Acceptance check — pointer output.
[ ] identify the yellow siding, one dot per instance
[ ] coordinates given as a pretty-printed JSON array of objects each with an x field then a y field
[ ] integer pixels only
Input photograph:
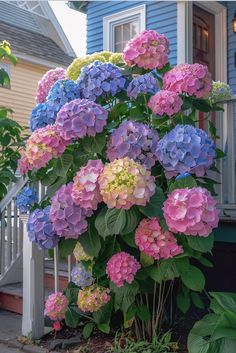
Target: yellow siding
[{"x": 21, "y": 96}]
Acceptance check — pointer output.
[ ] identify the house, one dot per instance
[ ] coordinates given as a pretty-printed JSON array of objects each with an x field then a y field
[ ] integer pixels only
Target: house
[
  {"x": 39, "y": 43},
  {"x": 199, "y": 31}
]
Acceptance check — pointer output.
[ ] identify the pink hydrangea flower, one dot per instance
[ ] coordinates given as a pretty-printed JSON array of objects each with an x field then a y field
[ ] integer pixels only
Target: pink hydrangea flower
[
  {"x": 47, "y": 81},
  {"x": 80, "y": 118},
  {"x": 68, "y": 220},
  {"x": 153, "y": 241},
  {"x": 23, "y": 164},
  {"x": 56, "y": 306},
  {"x": 191, "y": 211},
  {"x": 43, "y": 145},
  {"x": 192, "y": 79},
  {"x": 93, "y": 298},
  {"x": 165, "y": 102},
  {"x": 148, "y": 50},
  {"x": 124, "y": 183},
  {"x": 85, "y": 191},
  {"x": 122, "y": 268}
]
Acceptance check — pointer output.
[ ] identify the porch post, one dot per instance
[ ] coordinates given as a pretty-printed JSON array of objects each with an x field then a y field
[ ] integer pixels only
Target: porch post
[
  {"x": 33, "y": 287},
  {"x": 184, "y": 32}
]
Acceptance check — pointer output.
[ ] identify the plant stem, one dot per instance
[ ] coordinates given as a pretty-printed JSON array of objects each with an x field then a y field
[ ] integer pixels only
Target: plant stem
[{"x": 153, "y": 308}]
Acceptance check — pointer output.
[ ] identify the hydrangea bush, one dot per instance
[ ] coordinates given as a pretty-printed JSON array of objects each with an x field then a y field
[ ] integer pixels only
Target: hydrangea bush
[{"x": 125, "y": 169}]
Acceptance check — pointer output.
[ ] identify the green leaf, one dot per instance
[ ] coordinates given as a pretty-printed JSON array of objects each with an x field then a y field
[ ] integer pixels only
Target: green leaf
[
  {"x": 125, "y": 295},
  {"x": 87, "y": 330},
  {"x": 186, "y": 182},
  {"x": 54, "y": 187},
  {"x": 183, "y": 302},
  {"x": 201, "y": 104},
  {"x": 129, "y": 239},
  {"x": 223, "y": 302},
  {"x": 132, "y": 220},
  {"x": 203, "y": 244},
  {"x": 94, "y": 144},
  {"x": 104, "y": 327},
  {"x": 193, "y": 278},
  {"x": 72, "y": 318},
  {"x": 146, "y": 260},
  {"x": 219, "y": 154},
  {"x": 103, "y": 316},
  {"x": 206, "y": 262},
  {"x": 143, "y": 313},
  {"x": 72, "y": 293},
  {"x": 115, "y": 220},
  {"x": 197, "y": 300},
  {"x": 90, "y": 241},
  {"x": 164, "y": 271},
  {"x": 154, "y": 206},
  {"x": 100, "y": 223},
  {"x": 66, "y": 247},
  {"x": 63, "y": 164}
]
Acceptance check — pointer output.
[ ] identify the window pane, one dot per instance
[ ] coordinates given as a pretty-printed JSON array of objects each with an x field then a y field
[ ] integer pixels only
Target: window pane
[
  {"x": 118, "y": 33},
  {"x": 123, "y": 33},
  {"x": 118, "y": 47},
  {"x": 134, "y": 28},
  {"x": 126, "y": 32}
]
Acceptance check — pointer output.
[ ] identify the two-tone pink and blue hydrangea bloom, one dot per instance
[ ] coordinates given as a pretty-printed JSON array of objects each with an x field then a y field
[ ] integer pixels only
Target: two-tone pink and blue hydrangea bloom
[{"x": 69, "y": 111}]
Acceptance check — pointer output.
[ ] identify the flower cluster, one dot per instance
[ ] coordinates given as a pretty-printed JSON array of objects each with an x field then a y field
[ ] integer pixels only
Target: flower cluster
[
  {"x": 124, "y": 183},
  {"x": 220, "y": 91},
  {"x": 42, "y": 115},
  {"x": 165, "y": 102},
  {"x": 56, "y": 306},
  {"x": 47, "y": 81},
  {"x": 25, "y": 199},
  {"x": 40, "y": 229},
  {"x": 62, "y": 92},
  {"x": 122, "y": 268},
  {"x": 81, "y": 276},
  {"x": 93, "y": 298},
  {"x": 68, "y": 219},
  {"x": 148, "y": 50},
  {"x": 80, "y": 118},
  {"x": 191, "y": 211},
  {"x": 116, "y": 58},
  {"x": 76, "y": 66},
  {"x": 192, "y": 79},
  {"x": 80, "y": 254},
  {"x": 23, "y": 164},
  {"x": 43, "y": 145},
  {"x": 186, "y": 149},
  {"x": 85, "y": 190},
  {"x": 142, "y": 84},
  {"x": 100, "y": 80},
  {"x": 153, "y": 241},
  {"x": 134, "y": 140}
]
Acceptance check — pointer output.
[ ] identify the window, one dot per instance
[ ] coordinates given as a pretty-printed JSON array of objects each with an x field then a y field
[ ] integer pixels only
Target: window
[
  {"x": 120, "y": 27},
  {"x": 5, "y": 67}
]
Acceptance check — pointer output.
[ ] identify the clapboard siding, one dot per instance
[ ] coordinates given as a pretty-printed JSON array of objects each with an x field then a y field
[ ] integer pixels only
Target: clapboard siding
[
  {"x": 231, "y": 46},
  {"x": 160, "y": 16},
  {"x": 20, "y": 97}
]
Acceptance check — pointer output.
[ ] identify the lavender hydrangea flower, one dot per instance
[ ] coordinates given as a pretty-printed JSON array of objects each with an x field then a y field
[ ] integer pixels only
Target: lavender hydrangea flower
[
  {"x": 62, "y": 92},
  {"x": 100, "y": 80},
  {"x": 142, "y": 84},
  {"x": 134, "y": 140},
  {"x": 81, "y": 276},
  {"x": 25, "y": 199},
  {"x": 186, "y": 149},
  {"x": 40, "y": 229},
  {"x": 80, "y": 118},
  {"x": 68, "y": 219}
]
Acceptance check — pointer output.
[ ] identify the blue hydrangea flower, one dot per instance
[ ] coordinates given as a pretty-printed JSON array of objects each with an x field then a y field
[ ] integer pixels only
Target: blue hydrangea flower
[
  {"x": 40, "y": 229},
  {"x": 62, "y": 92},
  {"x": 25, "y": 199},
  {"x": 134, "y": 140},
  {"x": 186, "y": 149},
  {"x": 81, "y": 276},
  {"x": 182, "y": 176},
  {"x": 220, "y": 91},
  {"x": 100, "y": 80},
  {"x": 142, "y": 84}
]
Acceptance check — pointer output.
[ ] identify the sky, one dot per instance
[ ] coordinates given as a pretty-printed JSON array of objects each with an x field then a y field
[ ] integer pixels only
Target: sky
[{"x": 73, "y": 24}]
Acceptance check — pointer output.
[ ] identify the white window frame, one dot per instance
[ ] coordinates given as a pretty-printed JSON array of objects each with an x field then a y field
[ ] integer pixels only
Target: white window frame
[{"x": 119, "y": 18}]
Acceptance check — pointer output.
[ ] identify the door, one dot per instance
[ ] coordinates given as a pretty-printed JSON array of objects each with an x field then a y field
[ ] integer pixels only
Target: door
[{"x": 204, "y": 38}]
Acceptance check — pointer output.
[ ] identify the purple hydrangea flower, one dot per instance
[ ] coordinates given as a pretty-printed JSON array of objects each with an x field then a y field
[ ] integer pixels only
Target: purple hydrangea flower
[
  {"x": 81, "y": 276},
  {"x": 100, "y": 80},
  {"x": 40, "y": 229},
  {"x": 80, "y": 118},
  {"x": 25, "y": 199},
  {"x": 134, "y": 140},
  {"x": 68, "y": 220},
  {"x": 186, "y": 149},
  {"x": 142, "y": 84}
]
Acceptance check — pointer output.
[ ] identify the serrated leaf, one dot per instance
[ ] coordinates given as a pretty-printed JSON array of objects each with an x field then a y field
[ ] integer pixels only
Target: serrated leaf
[
  {"x": 203, "y": 244},
  {"x": 63, "y": 164},
  {"x": 154, "y": 206},
  {"x": 87, "y": 330},
  {"x": 90, "y": 241},
  {"x": 185, "y": 182},
  {"x": 94, "y": 144},
  {"x": 72, "y": 318},
  {"x": 66, "y": 247}
]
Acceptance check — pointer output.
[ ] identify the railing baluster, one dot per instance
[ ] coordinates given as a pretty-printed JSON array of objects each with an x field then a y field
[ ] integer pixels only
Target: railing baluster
[
  {"x": 56, "y": 270},
  {"x": 8, "y": 234},
  {"x": 3, "y": 231},
  {"x": 15, "y": 232}
]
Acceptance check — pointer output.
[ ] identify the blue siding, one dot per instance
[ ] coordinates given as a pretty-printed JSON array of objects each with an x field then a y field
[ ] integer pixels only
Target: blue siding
[
  {"x": 231, "y": 6},
  {"x": 160, "y": 16}
]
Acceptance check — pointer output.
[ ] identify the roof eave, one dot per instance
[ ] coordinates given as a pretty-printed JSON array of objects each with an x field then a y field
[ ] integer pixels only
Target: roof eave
[{"x": 80, "y": 6}]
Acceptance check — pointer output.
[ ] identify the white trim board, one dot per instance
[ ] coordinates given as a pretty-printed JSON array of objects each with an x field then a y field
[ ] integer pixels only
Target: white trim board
[
  {"x": 184, "y": 34},
  {"x": 121, "y": 15}
]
